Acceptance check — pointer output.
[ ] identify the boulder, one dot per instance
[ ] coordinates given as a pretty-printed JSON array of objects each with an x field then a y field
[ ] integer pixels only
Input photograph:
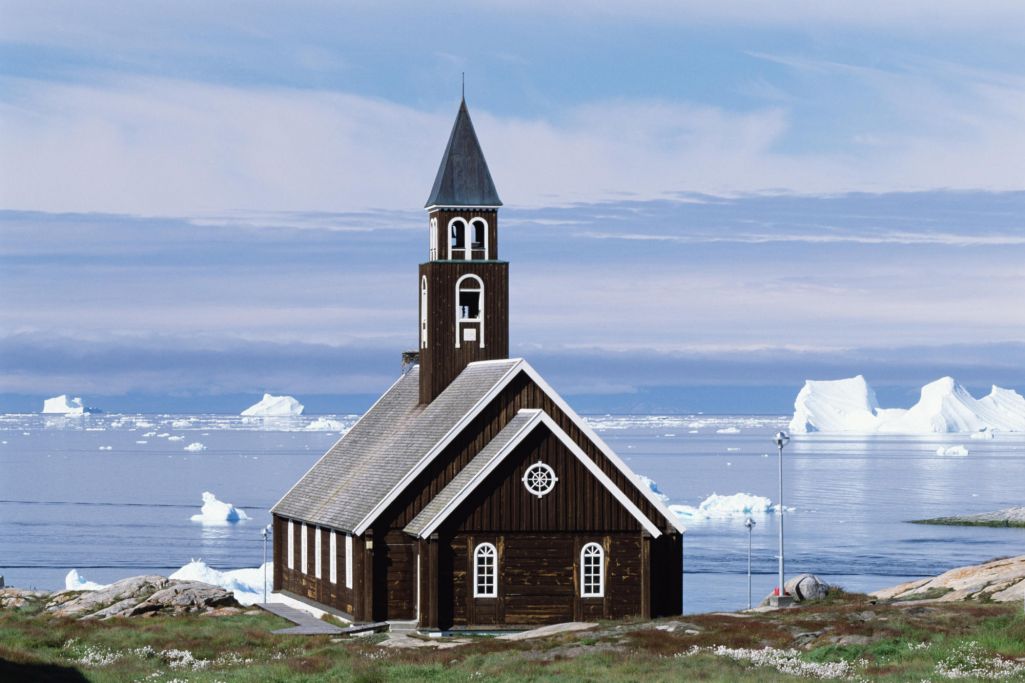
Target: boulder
[
  {"x": 141, "y": 596},
  {"x": 87, "y": 602},
  {"x": 1000, "y": 580},
  {"x": 17, "y": 597},
  {"x": 185, "y": 596},
  {"x": 805, "y": 587}
]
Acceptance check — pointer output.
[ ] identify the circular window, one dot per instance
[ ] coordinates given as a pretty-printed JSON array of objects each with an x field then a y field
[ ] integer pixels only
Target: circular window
[{"x": 539, "y": 479}]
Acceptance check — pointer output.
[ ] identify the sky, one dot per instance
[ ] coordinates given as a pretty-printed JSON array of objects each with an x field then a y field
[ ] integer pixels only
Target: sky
[{"x": 706, "y": 203}]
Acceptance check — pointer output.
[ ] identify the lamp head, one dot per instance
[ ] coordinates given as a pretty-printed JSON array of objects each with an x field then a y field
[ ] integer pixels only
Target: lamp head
[
  {"x": 749, "y": 523},
  {"x": 781, "y": 439}
]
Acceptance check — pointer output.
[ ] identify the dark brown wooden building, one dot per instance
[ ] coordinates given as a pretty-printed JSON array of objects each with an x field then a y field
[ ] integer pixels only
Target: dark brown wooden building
[{"x": 471, "y": 495}]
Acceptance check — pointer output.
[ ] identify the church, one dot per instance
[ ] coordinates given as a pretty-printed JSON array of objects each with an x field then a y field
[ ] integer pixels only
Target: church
[{"x": 470, "y": 495}]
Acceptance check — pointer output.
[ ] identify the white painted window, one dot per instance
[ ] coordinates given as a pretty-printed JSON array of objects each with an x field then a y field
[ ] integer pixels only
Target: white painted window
[
  {"x": 485, "y": 570},
  {"x": 332, "y": 548},
  {"x": 348, "y": 561},
  {"x": 539, "y": 479},
  {"x": 434, "y": 239},
  {"x": 592, "y": 571},
  {"x": 304, "y": 548},
  {"x": 318, "y": 555},
  {"x": 291, "y": 544},
  {"x": 457, "y": 250},
  {"x": 469, "y": 309},
  {"x": 478, "y": 238},
  {"x": 423, "y": 312}
]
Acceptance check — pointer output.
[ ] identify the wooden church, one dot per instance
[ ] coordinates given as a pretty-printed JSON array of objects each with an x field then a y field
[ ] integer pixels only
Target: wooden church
[{"x": 470, "y": 495}]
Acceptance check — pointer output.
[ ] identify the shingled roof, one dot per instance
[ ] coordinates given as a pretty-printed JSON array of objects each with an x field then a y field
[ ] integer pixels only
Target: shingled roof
[
  {"x": 463, "y": 178},
  {"x": 363, "y": 467}
]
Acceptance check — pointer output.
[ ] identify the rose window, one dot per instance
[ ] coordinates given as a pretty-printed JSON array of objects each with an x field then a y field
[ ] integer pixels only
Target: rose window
[{"x": 539, "y": 479}]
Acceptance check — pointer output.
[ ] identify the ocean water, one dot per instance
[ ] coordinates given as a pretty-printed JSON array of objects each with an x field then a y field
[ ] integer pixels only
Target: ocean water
[{"x": 112, "y": 496}]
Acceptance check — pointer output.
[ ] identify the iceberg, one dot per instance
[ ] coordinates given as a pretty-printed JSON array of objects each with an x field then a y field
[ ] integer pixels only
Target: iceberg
[
  {"x": 76, "y": 582},
  {"x": 62, "y": 405},
  {"x": 274, "y": 406},
  {"x": 195, "y": 447},
  {"x": 323, "y": 424},
  {"x": 649, "y": 483},
  {"x": 246, "y": 584},
  {"x": 718, "y": 507},
  {"x": 218, "y": 512},
  {"x": 956, "y": 451},
  {"x": 944, "y": 407}
]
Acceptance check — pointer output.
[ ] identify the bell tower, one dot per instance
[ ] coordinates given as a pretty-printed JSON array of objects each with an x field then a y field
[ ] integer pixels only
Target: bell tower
[{"x": 463, "y": 287}]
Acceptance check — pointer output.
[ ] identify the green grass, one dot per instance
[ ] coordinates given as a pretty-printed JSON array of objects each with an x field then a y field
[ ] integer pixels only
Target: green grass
[{"x": 891, "y": 642}]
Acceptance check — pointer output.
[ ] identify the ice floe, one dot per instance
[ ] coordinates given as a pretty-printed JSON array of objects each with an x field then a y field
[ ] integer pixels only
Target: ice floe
[
  {"x": 717, "y": 506},
  {"x": 956, "y": 451},
  {"x": 195, "y": 447},
  {"x": 218, "y": 512},
  {"x": 246, "y": 584},
  {"x": 944, "y": 406},
  {"x": 274, "y": 406},
  {"x": 76, "y": 582},
  {"x": 322, "y": 424}
]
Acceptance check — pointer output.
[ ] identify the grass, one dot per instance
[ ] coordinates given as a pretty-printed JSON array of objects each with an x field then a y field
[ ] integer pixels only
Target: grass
[{"x": 847, "y": 635}]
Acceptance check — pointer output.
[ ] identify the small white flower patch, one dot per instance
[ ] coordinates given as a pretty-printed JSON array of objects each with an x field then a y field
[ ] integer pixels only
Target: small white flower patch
[
  {"x": 970, "y": 660},
  {"x": 785, "y": 661}
]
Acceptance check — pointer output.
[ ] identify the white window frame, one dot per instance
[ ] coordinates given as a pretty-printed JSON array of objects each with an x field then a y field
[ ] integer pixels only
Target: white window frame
[
  {"x": 332, "y": 548},
  {"x": 587, "y": 555},
  {"x": 291, "y": 544},
  {"x": 423, "y": 312},
  {"x": 484, "y": 551},
  {"x": 461, "y": 225},
  {"x": 434, "y": 240},
  {"x": 348, "y": 561},
  {"x": 304, "y": 548},
  {"x": 469, "y": 234},
  {"x": 478, "y": 322},
  {"x": 529, "y": 480},
  {"x": 318, "y": 552}
]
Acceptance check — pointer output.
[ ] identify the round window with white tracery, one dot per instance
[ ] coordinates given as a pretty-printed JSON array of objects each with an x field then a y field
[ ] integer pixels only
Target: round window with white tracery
[{"x": 539, "y": 479}]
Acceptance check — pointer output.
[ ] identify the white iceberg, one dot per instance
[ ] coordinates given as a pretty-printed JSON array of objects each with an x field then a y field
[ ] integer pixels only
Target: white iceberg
[
  {"x": 322, "y": 424},
  {"x": 728, "y": 430},
  {"x": 274, "y": 406},
  {"x": 76, "y": 582},
  {"x": 648, "y": 483},
  {"x": 956, "y": 451},
  {"x": 218, "y": 512},
  {"x": 717, "y": 507},
  {"x": 195, "y": 447},
  {"x": 944, "y": 406},
  {"x": 246, "y": 584},
  {"x": 62, "y": 405}
]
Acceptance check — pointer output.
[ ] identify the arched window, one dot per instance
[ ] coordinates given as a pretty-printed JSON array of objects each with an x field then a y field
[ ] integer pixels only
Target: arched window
[
  {"x": 485, "y": 571},
  {"x": 478, "y": 238},
  {"x": 434, "y": 239},
  {"x": 469, "y": 310},
  {"x": 423, "y": 312},
  {"x": 592, "y": 571},
  {"x": 457, "y": 233}
]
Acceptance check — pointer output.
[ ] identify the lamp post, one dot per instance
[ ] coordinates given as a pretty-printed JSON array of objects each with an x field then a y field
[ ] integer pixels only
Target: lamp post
[
  {"x": 265, "y": 532},
  {"x": 750, "y": 524},
  {"x": 781, "y": 439}
]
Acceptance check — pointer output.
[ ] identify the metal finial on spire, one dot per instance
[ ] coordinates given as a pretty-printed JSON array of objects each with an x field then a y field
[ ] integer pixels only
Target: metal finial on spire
[{"x": 464, "y": 86}]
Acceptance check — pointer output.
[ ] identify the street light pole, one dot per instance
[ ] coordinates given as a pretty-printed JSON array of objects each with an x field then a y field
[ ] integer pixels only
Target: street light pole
[
  {"x": 781, "y": 439},
  {"x": 265, "y": 532},
  {"x": 749, "y": 523}
]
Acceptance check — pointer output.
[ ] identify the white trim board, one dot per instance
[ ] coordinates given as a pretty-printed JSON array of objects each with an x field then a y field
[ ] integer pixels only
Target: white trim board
[
  {"x": 537, "y": 419},
  {"x": 501, "y": 384}
]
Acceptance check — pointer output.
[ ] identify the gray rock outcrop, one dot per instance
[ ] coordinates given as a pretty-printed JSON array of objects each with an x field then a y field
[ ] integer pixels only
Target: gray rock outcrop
[
  {"x": 805, "y": 587},
  {"x": 998, "y": 580},
  {"x": 140, "y": 596}
]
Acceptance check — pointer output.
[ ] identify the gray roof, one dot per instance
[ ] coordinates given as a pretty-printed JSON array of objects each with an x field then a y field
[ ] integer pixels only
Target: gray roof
[
  {"x": 359, "y": 471},
  {"x": 463, "y": 178},
  {"x": 472, "y": 469}
]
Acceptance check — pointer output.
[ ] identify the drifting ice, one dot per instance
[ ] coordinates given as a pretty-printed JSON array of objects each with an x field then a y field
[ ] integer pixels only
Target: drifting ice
[
  {"x": 275, "y": 406},
  {"x": 716, "y": 506},
  {"x": 194, "y": 447},
  {"x": 850, "y": 406},
  {"x": 76, "y": 582},
  {"x": 218, "y": 512},
  {"x": 649, "y": 483},
  {"x": 246, "y": 584},
  {"x": 959, "y": 451},
  {"x": 62, "y": 405}
]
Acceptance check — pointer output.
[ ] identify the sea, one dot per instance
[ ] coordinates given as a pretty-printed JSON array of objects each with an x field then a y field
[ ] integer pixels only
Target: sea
[{"x": 113, "y": 496}]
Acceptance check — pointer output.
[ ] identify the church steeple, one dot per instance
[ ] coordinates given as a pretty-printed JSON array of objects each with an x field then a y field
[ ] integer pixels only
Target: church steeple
[{"x": 464, "y": 288}]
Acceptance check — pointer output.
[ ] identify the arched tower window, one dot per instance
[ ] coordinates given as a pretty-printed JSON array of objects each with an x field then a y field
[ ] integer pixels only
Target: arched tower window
[
  {"x": 479, "y": 238},
  {"x": 434, "y": 239},
  {"x": 485, "y": 571},
  {"x": 457, "y": 234},
  {"x": 469, "y": 310},
  {"x": 592, "y": 571},
  {"x": 423, "y": 312}
]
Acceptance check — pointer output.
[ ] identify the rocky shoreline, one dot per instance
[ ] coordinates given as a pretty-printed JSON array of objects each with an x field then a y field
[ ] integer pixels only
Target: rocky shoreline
[
  {"x": 1000, "y": 580},
  {"x": 1009, "y": 517}
]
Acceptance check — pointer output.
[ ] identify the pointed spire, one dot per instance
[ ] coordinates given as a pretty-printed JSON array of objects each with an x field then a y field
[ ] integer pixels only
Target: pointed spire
[{"x": 463, "y": 178}]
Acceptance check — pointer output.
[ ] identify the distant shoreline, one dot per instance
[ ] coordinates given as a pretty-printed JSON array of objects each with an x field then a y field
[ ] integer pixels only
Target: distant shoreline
[{"x": 1008, "y": 517}]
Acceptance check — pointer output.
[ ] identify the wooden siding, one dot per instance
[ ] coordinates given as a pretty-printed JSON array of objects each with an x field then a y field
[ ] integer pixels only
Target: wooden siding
[
  {"x": 444, "y": 237},
  {"x": 440, "y": 360},
  {"x": 302, "y": 580}
]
